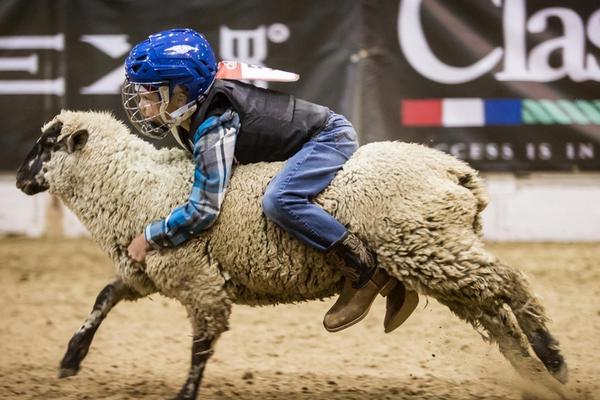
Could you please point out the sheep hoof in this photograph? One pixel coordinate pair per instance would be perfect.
(562, 374)
(547, 350)
(183, 397)
(188, 392)
(66, 372)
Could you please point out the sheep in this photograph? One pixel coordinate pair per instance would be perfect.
(417, 208)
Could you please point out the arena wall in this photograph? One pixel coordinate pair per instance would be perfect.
(543, 207)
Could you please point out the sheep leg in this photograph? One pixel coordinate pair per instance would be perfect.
(80, 343)
(201, 352)
(504, 329)
(532, 319)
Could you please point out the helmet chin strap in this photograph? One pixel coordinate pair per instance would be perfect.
(175, 119)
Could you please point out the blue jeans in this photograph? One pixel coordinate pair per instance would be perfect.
(287, 200)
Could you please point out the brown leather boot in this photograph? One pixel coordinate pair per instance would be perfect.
(364, 281)
(354, 303)
(400, 304)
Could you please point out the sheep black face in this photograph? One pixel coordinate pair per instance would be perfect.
(31, 174)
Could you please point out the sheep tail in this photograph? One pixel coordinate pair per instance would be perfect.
(469, 178)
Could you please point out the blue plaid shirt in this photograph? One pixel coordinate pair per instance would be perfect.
(214, 145)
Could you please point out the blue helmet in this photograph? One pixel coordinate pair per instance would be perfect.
(154, 68)
(177, 56)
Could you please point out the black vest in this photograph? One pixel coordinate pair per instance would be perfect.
(274, 125)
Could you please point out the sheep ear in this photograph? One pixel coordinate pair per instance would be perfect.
(77, 140)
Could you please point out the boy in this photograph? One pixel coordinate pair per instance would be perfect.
(171, 87)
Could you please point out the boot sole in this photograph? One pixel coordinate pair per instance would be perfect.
(411, 301)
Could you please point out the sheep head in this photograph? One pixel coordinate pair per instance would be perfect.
(58, 140)
(78, 145)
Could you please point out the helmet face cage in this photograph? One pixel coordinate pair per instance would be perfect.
(145, 105)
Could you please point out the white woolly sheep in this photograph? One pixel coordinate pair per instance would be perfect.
(417, 208)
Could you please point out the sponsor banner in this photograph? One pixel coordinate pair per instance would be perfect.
(508, 85)
(70, 54)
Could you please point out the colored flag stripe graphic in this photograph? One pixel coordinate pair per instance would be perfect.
(463, 112)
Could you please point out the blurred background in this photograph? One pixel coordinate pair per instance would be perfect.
(512, 87)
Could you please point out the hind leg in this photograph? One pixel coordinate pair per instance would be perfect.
(532, 319)
(514, 345)
(547, 350)
(504, 329)
(501, 327)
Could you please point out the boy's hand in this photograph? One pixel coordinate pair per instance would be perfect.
(138, 248)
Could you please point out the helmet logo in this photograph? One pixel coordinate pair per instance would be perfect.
(180, 49)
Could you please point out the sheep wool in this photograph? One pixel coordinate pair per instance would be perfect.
(417, 208)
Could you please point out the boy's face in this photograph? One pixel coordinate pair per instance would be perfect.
(149, 113)
(150, 103)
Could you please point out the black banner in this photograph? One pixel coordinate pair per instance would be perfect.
(507, 85)
(69, 54)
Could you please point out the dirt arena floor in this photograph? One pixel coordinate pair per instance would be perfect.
(47, 288)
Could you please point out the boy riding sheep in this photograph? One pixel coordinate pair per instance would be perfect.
(171, 86)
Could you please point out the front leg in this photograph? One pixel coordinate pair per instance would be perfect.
(201, 352)
(209, 321)
(82, 339)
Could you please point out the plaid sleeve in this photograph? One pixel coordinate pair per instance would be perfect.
(214, 145)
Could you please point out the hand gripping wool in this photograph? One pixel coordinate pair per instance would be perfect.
(417, 208)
